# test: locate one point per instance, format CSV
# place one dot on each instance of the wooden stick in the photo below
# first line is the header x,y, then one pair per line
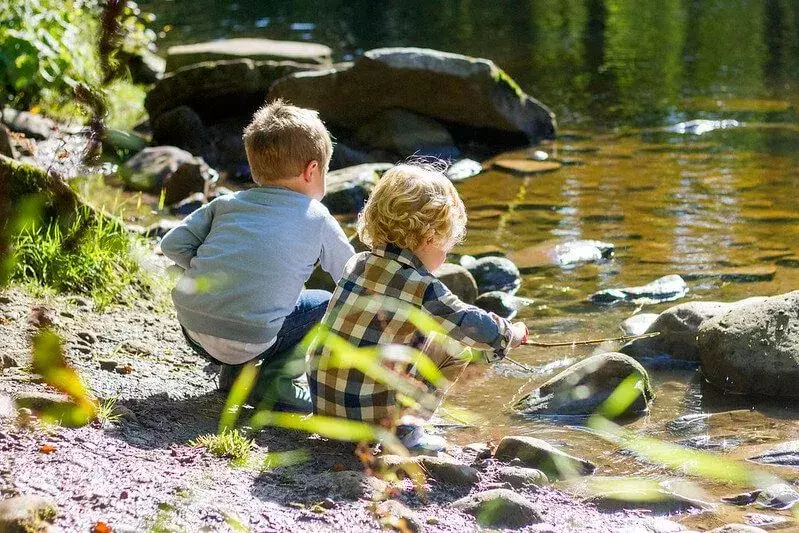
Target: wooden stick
x,y
589,342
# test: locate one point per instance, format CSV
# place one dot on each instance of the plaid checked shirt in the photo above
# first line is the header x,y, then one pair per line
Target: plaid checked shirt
x,y
358,314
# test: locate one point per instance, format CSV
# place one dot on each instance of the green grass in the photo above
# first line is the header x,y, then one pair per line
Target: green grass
x,y
107,411
230,443
91,256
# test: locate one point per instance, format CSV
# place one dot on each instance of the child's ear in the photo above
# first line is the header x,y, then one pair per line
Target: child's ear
x,y
310,168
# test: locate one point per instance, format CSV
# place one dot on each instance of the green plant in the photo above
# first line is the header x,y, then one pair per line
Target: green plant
x,y
91,255
107,411
230,443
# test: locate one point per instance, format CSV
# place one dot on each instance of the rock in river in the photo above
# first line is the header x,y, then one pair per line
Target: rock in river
x,y
501,303
495,274
562,254
458,280
406,133
539,454
617,493
663,289
256,49
785,454
754,348
463,169
678,327
583,387
176,170
501,508
349,188
638,324
472,94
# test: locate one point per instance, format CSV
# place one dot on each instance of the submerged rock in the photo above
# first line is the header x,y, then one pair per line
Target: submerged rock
x,y
463,169
495,274
678,327
583,387
754,348
736,274
785,454
539,454
663,289
469,93
499,508
779,496
737,528
501,303
349,188
562,254
638,324
458,280
246,48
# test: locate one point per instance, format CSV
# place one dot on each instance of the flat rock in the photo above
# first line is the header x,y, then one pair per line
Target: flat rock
x,y
495,274
539,454
526,166
754,349
785,454
350,484
499,508
246,48
663,289
737,274
563,254
678,327
583,388
449,471
409,520
458,280
470,93
348,188
519,477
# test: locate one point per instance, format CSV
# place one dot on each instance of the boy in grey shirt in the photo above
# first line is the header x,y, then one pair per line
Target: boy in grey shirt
x,y
247,256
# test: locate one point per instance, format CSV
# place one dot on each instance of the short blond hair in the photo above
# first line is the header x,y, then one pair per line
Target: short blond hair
x,y
282,139
410,204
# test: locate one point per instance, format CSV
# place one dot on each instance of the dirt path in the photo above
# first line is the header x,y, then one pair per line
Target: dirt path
x,y
140,473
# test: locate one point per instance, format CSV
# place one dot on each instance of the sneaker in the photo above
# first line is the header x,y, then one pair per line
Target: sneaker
x,y
283,394
227,375
417,440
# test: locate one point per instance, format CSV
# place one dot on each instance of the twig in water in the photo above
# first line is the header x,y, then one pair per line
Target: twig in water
x,y
589,342
517,363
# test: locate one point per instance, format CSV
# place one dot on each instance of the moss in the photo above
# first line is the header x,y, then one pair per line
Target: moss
x,y
500,76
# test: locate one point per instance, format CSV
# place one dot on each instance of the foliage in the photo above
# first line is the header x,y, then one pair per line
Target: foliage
x,y
107,411
91,255
230,443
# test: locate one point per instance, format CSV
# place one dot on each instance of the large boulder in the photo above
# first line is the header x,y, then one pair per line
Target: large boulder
x,y
678,327
663,289
754,349
471,94
499,508
536,453
246,48
493,273
183,128
583,387
167,167
458,280
348,189
406,133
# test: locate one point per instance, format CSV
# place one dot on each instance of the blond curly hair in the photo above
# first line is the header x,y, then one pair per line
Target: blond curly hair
x,y
413,202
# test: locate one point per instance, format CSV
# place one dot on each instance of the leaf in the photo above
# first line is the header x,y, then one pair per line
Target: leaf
x,y
101,527
47,448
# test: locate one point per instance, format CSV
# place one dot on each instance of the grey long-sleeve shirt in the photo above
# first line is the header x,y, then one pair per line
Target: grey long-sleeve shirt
x,y
246,258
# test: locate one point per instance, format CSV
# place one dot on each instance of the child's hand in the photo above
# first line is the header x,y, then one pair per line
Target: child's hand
x,y
519,334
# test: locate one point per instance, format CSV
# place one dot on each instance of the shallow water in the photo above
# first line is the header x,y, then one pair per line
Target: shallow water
x,y
617,74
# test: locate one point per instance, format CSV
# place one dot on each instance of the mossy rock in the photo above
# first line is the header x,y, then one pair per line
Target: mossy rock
x,y
26,514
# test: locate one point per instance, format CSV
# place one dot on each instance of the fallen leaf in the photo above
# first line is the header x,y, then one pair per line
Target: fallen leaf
x,y
101,527
338,467
47,448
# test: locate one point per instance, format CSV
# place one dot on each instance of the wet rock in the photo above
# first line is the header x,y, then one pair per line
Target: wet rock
x,y
519,477
471,94
563,254
458,280
611,493
349,188
408,519
501,303
499,508
182,127
176,171
204,85
28,513
638,324
663,289
495,274
779,496
767,521
6,147
701,126
736,274
583,387
785,454
449,471
29,124
538,454
754,348
246,48
463,169
790,262
526,166
406,133
737,528
678,327
188,205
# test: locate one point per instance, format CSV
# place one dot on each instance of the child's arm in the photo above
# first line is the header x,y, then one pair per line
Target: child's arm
x,y
336,248
469,324
181,243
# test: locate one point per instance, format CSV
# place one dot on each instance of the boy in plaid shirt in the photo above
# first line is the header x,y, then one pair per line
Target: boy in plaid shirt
x,y
412,220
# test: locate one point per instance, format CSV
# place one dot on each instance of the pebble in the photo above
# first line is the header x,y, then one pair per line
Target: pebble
x,y
499,508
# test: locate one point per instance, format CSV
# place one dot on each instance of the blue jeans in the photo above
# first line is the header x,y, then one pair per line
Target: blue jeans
x,y
307,313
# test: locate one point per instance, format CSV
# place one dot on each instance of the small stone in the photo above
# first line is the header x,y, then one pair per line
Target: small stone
x,y
83,349
463,169
480,450
527,166
108,364
328,503
27,513
409,520
519,477
449,471
41,317
495,274
539,454
87,337
125,369
501,303
499,508
6,361
780,496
